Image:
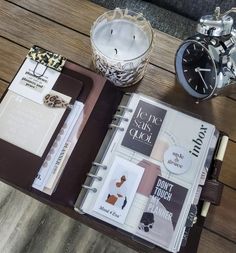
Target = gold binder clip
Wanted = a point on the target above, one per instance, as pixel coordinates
(47, 58)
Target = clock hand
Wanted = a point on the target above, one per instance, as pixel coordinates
(197, 70)
(207, 70)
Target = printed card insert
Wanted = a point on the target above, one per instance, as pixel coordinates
(118, 190)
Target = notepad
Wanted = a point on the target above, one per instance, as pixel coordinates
(27, 124)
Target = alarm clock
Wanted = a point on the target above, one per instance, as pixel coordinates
(205, 63)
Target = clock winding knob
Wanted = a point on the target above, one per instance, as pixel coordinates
(216, 24)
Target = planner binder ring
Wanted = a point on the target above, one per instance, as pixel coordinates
(120, 117)
(94, 176)
(36, 68)
(89, 188)
(125, 108)
(128, 93)
(99, 165)
(116, 126)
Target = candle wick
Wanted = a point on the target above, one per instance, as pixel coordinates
(134, 37)
(111, 31)
(116, 50)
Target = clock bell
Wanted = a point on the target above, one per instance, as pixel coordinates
(206, 62)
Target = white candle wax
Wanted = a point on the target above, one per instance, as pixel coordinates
(121, 43)
(120, 40)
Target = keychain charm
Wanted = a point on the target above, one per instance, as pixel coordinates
(54, 101)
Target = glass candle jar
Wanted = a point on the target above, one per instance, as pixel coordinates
(121, 43)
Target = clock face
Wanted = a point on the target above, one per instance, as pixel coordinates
(196, 69)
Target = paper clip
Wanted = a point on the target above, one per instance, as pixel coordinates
(34, 71)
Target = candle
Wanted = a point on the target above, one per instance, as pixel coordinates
(121, 43)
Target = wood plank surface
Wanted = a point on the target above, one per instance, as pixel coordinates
(212, 243)
(77, 19)
(222, 219)
(27, 22)
(3, 86)
(27, 29)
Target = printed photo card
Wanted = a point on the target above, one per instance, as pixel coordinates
(118, 190)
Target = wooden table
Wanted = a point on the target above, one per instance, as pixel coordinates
(63, 27)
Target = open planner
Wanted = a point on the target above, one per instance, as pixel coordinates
(148, 175)
(70, 138)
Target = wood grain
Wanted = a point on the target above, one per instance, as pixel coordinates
(3, 86)
(228, 172)
(211, 242)
(77, 18)
(27, 29)
(222, 219)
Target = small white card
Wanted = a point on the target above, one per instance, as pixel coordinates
(34, 81)
(118, 190)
